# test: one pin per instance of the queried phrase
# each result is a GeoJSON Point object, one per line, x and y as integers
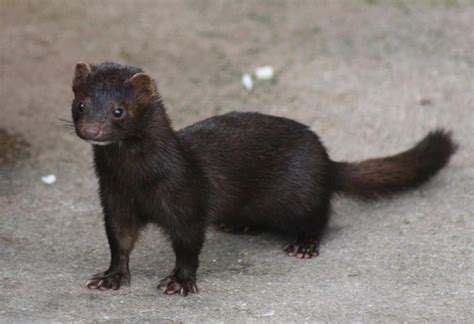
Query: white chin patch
{"type": "Point", "coordinates": [99, 143]}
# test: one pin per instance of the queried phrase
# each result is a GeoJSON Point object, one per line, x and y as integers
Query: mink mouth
{"type": "Point", "coordinates": [103, 140]}
{"type": "Point", "coordinates": [101, 143]}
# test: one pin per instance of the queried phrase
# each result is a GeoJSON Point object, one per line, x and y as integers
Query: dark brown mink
{"type": "Point", "coordinates": [238, 171]}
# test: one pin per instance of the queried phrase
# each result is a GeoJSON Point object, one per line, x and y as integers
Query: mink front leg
{"type": "Point", "coordinates": [121, 234]}
{"type": "Point", "coordinates": [187, 244]}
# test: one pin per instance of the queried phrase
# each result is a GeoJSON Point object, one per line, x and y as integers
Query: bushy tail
{"type": "Point", "coordinates": [382, 176]}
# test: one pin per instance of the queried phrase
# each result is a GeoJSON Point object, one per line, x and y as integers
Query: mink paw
{"type": "Point", "coordinates": [172, 285]}
{"type": "Point", "coordinates": [108, 280]}
{"type": "Point", "coordinates": [303, 249]}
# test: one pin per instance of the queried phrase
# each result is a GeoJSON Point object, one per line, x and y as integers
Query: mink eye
{"type": "Point", "coordinates": [118, 112]}
{"type": "Point", "coordinates": [81, 107]}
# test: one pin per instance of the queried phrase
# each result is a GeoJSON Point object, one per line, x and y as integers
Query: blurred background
{"type": "Point", "coordinates": [369, 76]}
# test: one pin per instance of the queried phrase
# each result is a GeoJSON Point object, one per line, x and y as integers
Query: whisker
{"type": "Point", "coordinates": [66, 121]}
{"type": "Point", "coordinates": [67, 124]}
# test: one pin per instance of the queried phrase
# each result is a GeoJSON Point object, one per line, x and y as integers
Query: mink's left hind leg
{"type": "Point", "coordinates": [309, 230]}
{"type": "Point", "coordinates": [303, 248]}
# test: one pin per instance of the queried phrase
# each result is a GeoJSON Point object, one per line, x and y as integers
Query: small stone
{"type": "Point", "coordinates": [425, 101]}
{"type": "Point", "coordinates": [264, 72]}
{"type": "Point", "coordinates": [247, 82]}
{"type": "Point", "coordinates": [266, 314]}
{"type": "Point", "coordinates": [49, 179]}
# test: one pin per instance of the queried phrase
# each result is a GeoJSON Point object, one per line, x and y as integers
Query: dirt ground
{"type": "Point", "coordinates": [371, 77]}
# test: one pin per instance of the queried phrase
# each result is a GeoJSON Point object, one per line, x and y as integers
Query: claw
{"type": "Point", "coordinates": [106, 281]}
{"type": "Point", "coordinates": [172, 285]}
{"type": "Point", "coordinates": [303, 249]}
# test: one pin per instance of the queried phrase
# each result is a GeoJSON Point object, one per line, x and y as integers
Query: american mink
{"type": "Point", "coordinates": [238, 171]}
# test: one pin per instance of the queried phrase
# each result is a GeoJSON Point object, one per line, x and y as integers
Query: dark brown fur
{"type": "Point", "coordinates": [238, 171]}
{"type": "Point", "coordinates": [378, 177]}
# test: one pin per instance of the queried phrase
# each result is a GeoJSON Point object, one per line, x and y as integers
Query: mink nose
{"type": "Point", "coordinates": [91, 132]}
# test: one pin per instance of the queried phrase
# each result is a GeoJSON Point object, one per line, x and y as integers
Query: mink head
{"type": "Point", "coordinates": [111, 101]}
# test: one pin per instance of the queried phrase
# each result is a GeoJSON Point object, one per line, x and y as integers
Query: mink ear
{"type": "Point", "coordinates": [80, 75]}
{"type": "Point", "coordinates": [143, 86]}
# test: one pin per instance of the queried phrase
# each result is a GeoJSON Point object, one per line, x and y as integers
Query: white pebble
{"type": "Point", "coordinates": [247, 82]}
{"type": "Point", "coordinates": [269, 313]}
{"type": "Point", "coordinates": [49, 179]}
{"type": "Point", "coordinates": [264, 72]}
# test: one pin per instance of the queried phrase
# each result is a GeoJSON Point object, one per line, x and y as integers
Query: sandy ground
{"type": "Point", "coordinates": [371, 77]}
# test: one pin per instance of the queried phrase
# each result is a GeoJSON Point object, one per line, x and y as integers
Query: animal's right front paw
{"type": "Point", "coordinates": [108, 280]}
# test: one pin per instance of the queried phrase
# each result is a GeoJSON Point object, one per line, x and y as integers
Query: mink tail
{"type": "Point", "coordinates": [379, 177]}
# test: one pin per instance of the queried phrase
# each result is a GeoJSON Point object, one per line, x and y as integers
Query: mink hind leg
{"type": "Point", "coordinates": [308, 230]}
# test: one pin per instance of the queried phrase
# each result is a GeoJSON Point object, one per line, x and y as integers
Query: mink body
{"type": "Point", "coordinates": [238, 171]}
